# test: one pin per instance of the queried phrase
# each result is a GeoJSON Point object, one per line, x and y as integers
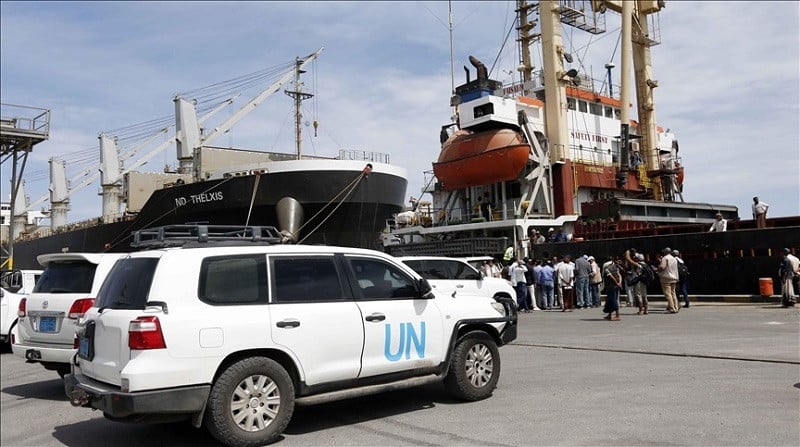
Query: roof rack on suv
{"type": "Point", "coordinates": [196, 234]}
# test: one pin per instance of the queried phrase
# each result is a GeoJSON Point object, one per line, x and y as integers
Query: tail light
{"type": "Point", "coordinates": [23, 303]}
{"type": "Point", "coordinates": [145, 333]}
{"type": "Point", "coordinates": [79, 307]}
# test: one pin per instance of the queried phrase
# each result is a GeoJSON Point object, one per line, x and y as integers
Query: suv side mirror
{"type": "Point", "coordinates": [425, 289]}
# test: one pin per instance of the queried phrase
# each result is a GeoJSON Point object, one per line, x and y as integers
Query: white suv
{"type": "Point", "coordinates": [48, 316]}
{"type": "Point", "coordinates": [14, 286]}
{"type": "Point", "coordinates": [229, 334]}
{"type": "Point", "coordinates": [457, 276]}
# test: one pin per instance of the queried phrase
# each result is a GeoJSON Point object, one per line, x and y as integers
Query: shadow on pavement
{"type": "Point", "coordinates": [47, 390]}
{"type": "Point", "coordinates": [311, 418]}
{"type": "Point", "coordinates": [99, 432]}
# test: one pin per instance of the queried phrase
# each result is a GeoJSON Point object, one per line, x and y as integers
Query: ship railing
{"type": "Point", "coordinates": [360, 155]}
{"type": "Point", "coordinates": [427, 216]}
{"type": "Point", "coordinates": [25, 118]}
{"type": "Point", "coordinates": [584, 82]}
{"type": "Point", "coordinates": [87, 223]}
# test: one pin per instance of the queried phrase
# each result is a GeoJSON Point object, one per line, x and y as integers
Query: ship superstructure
{"type": "Point", "coordinates": [559, 148]}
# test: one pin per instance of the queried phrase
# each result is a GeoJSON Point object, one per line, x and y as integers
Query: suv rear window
{"type": "Point", "coordinates": [127, 284]}
{"type": "Point", "coordinates": [66, 277]}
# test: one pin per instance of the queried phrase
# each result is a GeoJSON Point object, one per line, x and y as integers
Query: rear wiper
{"type": "Point", "coordinates": [161, 304]}
{"type": "Point", "coordinates": [115, 303]}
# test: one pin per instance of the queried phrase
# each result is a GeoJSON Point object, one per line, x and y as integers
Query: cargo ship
{"type": "Point", "coordinates": [558, 153]}
{"type": "Point", "coordinates": [343, 200]}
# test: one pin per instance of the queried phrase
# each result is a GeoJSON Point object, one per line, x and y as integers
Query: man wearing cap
{"type": "Point", "coordinates": [719, 224]}
{"type": "Point", "coordinates": [668, 273]}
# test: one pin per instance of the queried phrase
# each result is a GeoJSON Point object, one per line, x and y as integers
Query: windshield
{"type": "Point", "coordinates": [127, 285]}
{"type": "Point", "coordinates": [66, 277]}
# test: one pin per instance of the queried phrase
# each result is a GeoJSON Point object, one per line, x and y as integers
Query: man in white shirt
{"type": "Point", "coordinates": [517, 274]}
{"type": "Point", "coordinates": [719, 224]}
{"type": "Point", "coordinates": [760, 213]}
{"type": "Point", "coordinates": [565, 274]}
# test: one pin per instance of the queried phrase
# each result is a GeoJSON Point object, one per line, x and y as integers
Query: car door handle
{"type": "Point", "coordinates": [288, 323]}
{"type": "Point", "coordinates": [460, 286]}
{"type": "Point", "coordinates": [375, 317]}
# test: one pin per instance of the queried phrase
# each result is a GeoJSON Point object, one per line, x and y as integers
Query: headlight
{"type": "Point", "coordinates": [499, 308]}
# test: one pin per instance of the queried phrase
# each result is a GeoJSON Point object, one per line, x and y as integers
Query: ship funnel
{"type": "Point", "coordinates": [483, 73]}
{"type": "Point", "coordinates": [290, 218]}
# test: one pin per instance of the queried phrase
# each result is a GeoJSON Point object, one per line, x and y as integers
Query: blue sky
{"type": "Point", "coordinates": [728, 72]}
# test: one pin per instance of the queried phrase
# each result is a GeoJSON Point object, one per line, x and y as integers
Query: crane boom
{"type": "Point", "coordinates": [149, 156]}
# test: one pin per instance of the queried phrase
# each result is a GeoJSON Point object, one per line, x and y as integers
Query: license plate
{"type": "Point", "coordinates": [83, 347]}
{"type": "Point", "coordinates": [85, 342]}
{"type": "Point", "coordinates": [47, 324]}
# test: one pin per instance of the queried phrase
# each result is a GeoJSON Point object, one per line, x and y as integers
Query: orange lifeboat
{"type": "Point", "coordinates": [481, 158]}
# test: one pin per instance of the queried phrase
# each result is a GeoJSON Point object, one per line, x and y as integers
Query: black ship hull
{"type": "Point", "coordinates": [341, 207]}
{"type": "Point", "coordinates": [727, 263]}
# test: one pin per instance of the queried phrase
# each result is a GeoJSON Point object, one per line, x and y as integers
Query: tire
{"type": "Point", "coordinates": [474, 367]}
{"type": "Point", "coordinates": [235, 419]}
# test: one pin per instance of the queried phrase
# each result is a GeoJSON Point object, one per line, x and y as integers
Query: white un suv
{"type": "Point", "coordinates": [228, 333]}
{"type": "Point", "coordinates": [48, 316]}
{"type": "Point", "coordinates": [453, 276]}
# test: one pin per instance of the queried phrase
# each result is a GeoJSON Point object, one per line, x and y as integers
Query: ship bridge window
{"type": "Point", "coordinates": [596, 109]}
{"type": "Point", "coordinates": [617, 114]}
{"type": "Point", "coordinates": [609, 112]}
{"type": "Point", "coordinates": [485, 109]}
{"type": "Point", "coordinates": [571, 103]}
{"type": "Point", "coordinates": [582, 106]}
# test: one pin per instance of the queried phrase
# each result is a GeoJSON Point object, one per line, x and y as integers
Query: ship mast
{"type": "Point", "coordinates": [555, 104]}
{"type": "Point", "coordinates": [299, 96]}
{"type": "Point", "coordinates": [526, 24]}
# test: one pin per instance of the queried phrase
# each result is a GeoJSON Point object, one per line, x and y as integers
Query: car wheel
{"type": "Point", "coordinates": [251, 403]}
{"type": "Point", "coordinates": [474, 367]}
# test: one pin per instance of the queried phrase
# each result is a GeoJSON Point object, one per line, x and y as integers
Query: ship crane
{"type": "Point", "coordinates": [108, 171]}
{"type": "Point", "coordinates": [188, 132]}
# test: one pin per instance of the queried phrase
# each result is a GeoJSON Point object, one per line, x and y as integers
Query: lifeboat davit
{"type": "Point", "coordinates": [481, 158]}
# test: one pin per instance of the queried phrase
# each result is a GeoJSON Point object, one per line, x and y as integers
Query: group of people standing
{"type": "Point", "coordinates": [554, 283]}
